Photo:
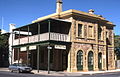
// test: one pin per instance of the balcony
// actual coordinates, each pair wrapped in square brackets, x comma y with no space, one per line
[42,37]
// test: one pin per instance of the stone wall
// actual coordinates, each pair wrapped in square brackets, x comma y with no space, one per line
[111,58]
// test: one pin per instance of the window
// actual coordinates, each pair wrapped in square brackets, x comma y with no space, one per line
[79,30]
[109,37]
[90,60]
[80,60]
[90,31]
[99,32]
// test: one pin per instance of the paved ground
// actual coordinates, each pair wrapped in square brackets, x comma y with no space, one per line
[114,73]
[8,74]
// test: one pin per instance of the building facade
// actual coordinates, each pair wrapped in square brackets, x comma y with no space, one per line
[71,41]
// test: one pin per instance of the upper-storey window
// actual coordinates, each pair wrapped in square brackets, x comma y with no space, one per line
[80,31]
[99,32]
[109,37]
[90,31]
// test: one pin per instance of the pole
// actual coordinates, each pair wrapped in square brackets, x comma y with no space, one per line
[2,22]
[49,48]
[38,52]
[48,59]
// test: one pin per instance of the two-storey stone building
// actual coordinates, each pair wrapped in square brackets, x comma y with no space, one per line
[69,40]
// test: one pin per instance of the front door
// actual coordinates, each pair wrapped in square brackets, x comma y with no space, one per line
[33,59]
[90,61]
[80,60]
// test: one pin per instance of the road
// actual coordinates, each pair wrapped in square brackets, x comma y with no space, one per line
[8,74]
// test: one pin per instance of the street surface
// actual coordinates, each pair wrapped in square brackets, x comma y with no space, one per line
[9,74]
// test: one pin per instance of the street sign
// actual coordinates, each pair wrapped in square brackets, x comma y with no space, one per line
[23,49]
[32,47]
[60,46]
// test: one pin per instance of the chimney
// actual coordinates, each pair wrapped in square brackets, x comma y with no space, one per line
[59,6]
[91,11]
[12,26]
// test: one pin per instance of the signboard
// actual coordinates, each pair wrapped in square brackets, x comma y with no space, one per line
[60,46]
[23,49]
[32,47]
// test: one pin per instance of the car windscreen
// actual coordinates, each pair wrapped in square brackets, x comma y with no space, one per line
[20,64]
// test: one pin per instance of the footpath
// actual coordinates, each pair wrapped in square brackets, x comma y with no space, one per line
[60,73]
[74,73]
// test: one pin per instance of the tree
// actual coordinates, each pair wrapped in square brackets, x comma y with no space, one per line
[3,41]
[117,46]
[4,50]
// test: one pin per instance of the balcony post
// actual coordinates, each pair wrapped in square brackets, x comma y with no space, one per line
[38,52]
[38,58]
[49,27]
[12,48]
[19,48]
[28,49]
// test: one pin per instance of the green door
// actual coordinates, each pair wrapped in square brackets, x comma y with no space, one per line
[100,61]
[90,61]
[80,60]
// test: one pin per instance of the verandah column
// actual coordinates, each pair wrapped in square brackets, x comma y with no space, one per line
[19,48]
[12,57]
[49,47]
[38,49]
[28,49]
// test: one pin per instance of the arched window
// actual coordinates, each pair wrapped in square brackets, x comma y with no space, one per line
[90,61]
[100,61]
[80,60]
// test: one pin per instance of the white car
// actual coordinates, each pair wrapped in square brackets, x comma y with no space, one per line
[19,67]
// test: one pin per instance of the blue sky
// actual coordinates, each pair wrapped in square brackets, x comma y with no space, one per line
[22,12]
